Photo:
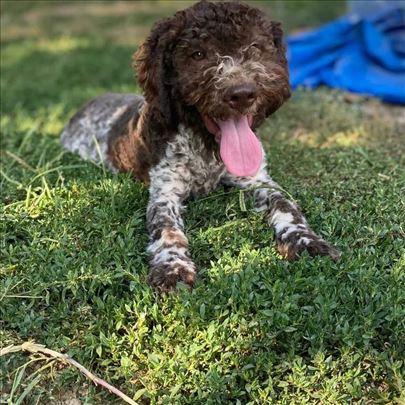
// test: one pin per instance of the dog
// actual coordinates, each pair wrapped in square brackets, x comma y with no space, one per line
[210,76]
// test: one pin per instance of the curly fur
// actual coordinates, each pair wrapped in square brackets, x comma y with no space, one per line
[186,67]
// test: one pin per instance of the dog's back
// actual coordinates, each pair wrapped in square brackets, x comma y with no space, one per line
[91,130]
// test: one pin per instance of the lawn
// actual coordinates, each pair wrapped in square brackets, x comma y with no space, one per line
[256,329]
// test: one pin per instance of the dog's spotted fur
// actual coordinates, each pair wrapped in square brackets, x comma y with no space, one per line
[186,67]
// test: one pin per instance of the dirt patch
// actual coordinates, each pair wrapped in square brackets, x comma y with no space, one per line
[66,398]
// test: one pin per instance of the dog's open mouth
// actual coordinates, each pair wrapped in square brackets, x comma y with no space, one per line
[240,149]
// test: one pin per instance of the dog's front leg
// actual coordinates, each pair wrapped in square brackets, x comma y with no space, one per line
[292,232]
[169,258]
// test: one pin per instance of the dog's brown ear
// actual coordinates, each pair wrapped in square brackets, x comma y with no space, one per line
[277,34]
[280,68]
[154,68]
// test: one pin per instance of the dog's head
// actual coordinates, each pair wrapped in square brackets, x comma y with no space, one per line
[227,60]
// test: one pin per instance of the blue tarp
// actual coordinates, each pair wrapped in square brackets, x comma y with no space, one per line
[361,54]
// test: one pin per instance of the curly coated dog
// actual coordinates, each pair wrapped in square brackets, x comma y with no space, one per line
[210,75]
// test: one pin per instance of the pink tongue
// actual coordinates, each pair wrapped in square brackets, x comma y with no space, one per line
[240,149]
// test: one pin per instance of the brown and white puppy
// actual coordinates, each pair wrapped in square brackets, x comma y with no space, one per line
[210,75]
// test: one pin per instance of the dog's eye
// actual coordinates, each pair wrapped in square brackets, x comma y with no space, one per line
[198,55]
[255,45]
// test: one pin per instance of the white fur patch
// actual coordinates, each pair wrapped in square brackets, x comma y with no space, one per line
[282,220]
[304,241]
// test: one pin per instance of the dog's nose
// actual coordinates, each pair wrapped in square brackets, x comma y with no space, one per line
[241,96]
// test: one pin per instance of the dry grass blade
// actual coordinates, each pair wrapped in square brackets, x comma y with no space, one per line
[65,358]
[19,160]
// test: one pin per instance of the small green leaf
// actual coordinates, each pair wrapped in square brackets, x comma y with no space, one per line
[202,310]
[139,393]
[154,358]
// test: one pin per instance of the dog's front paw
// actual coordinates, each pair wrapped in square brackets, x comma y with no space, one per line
[165,276]
[293,244]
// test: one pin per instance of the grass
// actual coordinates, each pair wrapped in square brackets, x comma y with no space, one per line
[256,329]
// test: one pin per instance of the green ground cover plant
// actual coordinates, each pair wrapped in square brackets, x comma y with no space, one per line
[256,329]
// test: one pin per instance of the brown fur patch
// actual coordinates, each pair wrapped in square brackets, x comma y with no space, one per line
[317,247]
[127,148]
[165,277]
[174,237]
